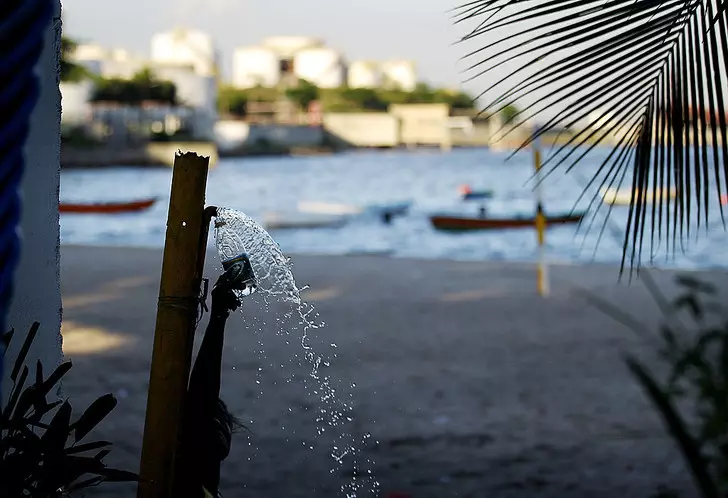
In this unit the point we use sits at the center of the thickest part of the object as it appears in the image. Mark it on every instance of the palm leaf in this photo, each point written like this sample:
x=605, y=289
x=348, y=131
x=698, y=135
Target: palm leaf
x=653, y=70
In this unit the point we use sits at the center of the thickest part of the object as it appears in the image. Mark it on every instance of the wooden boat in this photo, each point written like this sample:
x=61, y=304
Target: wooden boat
x=623, y=196
x=107, y=207
x=276, y=220
x=466, y=223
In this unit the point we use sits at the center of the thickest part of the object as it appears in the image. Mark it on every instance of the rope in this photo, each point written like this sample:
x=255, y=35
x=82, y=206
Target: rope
x=23, y=25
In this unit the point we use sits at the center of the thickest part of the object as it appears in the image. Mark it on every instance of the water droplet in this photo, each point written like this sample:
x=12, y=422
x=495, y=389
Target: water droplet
x=236, y=233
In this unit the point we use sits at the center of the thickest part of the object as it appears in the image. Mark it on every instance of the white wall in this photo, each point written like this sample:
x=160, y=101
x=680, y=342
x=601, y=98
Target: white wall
x=364, y=74
x=364, y=129
x=76, y=97
x=253, y=66
x=400, y=74
x=323, y=67
x=288, y=46
x=186, y=46
x=37, y=280
x=233, y=134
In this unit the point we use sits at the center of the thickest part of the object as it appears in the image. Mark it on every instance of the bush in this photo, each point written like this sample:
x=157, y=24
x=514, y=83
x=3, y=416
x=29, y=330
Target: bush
x=697, y=360
x=36, y=459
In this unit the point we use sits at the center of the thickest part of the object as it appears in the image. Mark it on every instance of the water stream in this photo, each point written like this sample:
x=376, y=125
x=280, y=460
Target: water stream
x=235, y=233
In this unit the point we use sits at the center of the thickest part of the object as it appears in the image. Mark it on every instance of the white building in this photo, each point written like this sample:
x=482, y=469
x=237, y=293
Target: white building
x=323, y=67
x=365, y=74
x=282, y=59
x=109, y=63
x=194, y=79
x=196, y=91
x=76, y=102
x=286, y=47
x=400, y=74
x=255, y=66
x=186, y=47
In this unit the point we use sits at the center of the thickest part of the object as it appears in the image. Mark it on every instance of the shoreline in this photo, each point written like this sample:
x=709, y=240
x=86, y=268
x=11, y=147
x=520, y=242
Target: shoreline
x=390, y=256
x=469, y=382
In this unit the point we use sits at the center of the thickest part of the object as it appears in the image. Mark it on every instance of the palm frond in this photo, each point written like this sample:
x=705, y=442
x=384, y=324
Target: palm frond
x=652, y=70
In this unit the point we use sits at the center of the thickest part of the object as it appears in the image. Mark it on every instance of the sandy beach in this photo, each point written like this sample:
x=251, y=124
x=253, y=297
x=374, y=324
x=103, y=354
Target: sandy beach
x=470, y=384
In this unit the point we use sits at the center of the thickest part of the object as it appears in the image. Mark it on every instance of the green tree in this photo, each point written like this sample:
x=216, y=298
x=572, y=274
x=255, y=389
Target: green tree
x=143, y=86
x=508, y=113
x=70, y=71
x=303, y=94
x=363, y=98
x=653, y=71
x=232, y=101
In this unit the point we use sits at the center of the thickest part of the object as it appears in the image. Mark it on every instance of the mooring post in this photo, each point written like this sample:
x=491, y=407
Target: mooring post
x=177, y=309
x=542, y=278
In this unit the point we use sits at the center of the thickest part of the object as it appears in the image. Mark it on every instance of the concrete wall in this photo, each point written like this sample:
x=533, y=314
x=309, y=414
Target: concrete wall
x=37, y=280
x=150, y=154
x=232, y=135
x=364, y=129
x=416, y=125
x=479, y=135
x=423, y=124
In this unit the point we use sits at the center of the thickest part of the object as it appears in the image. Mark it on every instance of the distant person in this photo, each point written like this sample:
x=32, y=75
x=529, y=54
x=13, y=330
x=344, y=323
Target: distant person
x=481, y=212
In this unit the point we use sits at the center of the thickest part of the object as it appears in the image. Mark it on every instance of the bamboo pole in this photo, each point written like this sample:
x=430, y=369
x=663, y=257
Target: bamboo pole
x=174, y=333
x=542, y=279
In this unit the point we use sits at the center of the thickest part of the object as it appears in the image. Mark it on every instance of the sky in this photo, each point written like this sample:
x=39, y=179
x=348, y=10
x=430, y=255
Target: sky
x=420, y=30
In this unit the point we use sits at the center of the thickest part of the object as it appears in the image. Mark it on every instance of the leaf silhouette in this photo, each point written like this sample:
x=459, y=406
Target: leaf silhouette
x=95, y=413
x=646, y=76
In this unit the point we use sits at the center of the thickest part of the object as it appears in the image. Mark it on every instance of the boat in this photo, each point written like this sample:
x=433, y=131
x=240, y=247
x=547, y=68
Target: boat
x=277, y=220
x=466, y=223
x=481, y=194
x=387, y=210
x=106, y=207
x=468, y=194
x=623, y=196
x=331, y=208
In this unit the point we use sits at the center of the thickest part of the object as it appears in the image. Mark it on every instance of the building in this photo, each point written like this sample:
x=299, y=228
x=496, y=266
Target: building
x=186, y=47
x=255, y=66
x=195, y=91
x=365, y=74
x=323, y=67
x=109, y=63
x=286, y=47
x=76, y=102
x=285, y=60
x=194, y=78
x=399, y=74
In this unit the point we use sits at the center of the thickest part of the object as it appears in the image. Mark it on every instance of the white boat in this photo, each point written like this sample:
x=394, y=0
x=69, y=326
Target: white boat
x=341, y=209
x=623, y=196
x=278, y=220
x=332, y=208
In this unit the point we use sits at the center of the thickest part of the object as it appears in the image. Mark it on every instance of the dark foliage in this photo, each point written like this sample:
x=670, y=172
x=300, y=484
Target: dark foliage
x=647, y=75
x=48, y=459
x=142, y=87
x=697, y=357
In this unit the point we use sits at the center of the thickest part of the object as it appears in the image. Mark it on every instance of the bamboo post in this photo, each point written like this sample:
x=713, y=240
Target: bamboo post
x=174, y=332
x=542, y=279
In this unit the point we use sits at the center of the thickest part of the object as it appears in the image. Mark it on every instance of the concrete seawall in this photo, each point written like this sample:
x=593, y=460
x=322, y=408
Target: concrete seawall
x=151, y=154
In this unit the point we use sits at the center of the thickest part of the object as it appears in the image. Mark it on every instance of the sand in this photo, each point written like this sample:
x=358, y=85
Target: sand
x=470, y=384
